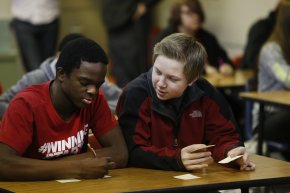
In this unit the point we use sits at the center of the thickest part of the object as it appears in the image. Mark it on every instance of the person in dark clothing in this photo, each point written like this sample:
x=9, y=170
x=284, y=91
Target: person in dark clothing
x=128, y=24
x=169, y=113
x=259, y=32
x=187, y=16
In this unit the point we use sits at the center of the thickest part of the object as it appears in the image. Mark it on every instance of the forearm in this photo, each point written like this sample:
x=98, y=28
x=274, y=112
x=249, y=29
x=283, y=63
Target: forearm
x=282, y=73
x=150, y=159
x=119, y=157
x=19, y=169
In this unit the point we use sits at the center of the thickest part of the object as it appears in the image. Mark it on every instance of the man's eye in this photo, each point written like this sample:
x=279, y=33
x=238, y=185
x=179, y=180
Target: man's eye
x=84, y=83
x=173, y=79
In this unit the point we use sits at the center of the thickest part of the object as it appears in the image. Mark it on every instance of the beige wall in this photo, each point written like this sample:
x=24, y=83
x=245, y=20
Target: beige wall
x=229, y=20
x=10, y=67
x=5, y=9
x=83, y=17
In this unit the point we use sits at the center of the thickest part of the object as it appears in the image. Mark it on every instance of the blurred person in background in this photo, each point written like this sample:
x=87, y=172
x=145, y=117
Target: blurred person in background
x=187, y=16
x=128, y=26
x=258, y=34
x=35, y=24
x=274, y=74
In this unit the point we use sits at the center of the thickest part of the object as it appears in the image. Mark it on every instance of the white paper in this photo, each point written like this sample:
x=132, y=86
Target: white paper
x=107, y=176
x=68, y=180
x=229, y=159
x=186, y=177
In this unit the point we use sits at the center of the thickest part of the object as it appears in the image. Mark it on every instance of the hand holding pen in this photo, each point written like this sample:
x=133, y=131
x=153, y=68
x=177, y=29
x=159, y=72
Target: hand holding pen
x=95, y=167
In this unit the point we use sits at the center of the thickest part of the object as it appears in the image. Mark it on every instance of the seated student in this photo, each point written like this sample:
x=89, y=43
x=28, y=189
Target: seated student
x=46, y=72
x=258, y=34
x=44, y=131
x=274, y=74
x=187, y=16
x=176, y=112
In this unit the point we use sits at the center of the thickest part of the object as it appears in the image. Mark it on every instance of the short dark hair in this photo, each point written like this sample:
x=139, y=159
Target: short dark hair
x=78, y=50
x=66, y=39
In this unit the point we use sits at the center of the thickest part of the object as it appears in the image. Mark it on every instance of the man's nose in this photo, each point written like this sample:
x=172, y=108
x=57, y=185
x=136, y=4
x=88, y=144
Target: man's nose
x=92, y=89
x=161, y=82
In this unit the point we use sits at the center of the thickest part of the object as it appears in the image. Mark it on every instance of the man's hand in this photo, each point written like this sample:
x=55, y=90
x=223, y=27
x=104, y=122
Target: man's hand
x=95, y=167
x=140, y=11
x=194, y=157
x=244, y=161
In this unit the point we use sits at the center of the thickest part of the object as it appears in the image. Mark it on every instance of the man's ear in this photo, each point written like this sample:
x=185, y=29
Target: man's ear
x=60, y=74
x=189, y=84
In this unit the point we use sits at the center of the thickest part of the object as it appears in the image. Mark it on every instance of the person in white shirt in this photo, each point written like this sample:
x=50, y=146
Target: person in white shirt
x=36, y=25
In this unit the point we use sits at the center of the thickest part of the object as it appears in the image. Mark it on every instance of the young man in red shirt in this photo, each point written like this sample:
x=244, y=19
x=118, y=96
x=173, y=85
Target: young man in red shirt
x=51, y=121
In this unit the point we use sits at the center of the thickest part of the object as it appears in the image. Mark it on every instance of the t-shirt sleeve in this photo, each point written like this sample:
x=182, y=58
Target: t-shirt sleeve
x=102, y=118
x=16, y=129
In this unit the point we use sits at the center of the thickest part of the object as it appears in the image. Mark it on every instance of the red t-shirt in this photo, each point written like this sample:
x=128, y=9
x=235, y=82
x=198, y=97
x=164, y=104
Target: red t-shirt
x=34, y=129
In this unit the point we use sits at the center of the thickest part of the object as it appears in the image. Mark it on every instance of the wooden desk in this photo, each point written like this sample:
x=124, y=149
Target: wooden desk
x=216, y=177
x=277, y=98
x=239, y=79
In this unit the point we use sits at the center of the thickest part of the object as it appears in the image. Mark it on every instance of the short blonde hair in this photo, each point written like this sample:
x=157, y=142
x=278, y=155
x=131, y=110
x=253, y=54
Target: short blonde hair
x=185, y=49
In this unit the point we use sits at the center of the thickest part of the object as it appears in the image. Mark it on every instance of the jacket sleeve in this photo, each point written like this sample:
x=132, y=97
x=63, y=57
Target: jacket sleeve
x=271, y=60
x=34, y=77
x=256, y=38
x=112, y=93
x=134, y=116
x=222, y=53
x=221, y=127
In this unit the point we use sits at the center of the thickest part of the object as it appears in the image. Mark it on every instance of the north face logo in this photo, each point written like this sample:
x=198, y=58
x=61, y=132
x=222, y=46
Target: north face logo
x=195, y=114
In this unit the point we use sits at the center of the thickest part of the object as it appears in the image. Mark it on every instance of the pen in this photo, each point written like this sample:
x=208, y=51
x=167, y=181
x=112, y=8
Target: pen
x=92, y=149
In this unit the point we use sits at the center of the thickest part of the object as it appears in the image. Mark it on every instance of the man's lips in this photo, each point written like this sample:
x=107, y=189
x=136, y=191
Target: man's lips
x=159, y=92
x=87, y=101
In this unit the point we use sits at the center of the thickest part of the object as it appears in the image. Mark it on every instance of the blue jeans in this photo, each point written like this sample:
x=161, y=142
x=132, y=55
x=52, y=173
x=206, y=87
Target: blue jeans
x=35, y=42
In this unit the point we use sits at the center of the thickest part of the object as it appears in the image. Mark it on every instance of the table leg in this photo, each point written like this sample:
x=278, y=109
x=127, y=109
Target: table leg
x=244, y=190
x=261, y=130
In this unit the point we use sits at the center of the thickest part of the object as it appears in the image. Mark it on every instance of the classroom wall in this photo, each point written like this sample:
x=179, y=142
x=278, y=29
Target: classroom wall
x=229, y=20
x=10, y=67
x=75, y=17
x=83, y=17
x=5, y=9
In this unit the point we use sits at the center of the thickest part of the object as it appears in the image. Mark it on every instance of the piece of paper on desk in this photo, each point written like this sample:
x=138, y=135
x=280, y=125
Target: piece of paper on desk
x=68, y=180
x=229, y=159
x=186, y=177
x=107, y=176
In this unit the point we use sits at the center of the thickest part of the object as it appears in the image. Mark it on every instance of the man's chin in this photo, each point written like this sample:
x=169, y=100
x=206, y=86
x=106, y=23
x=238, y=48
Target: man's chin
x=163, y=98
